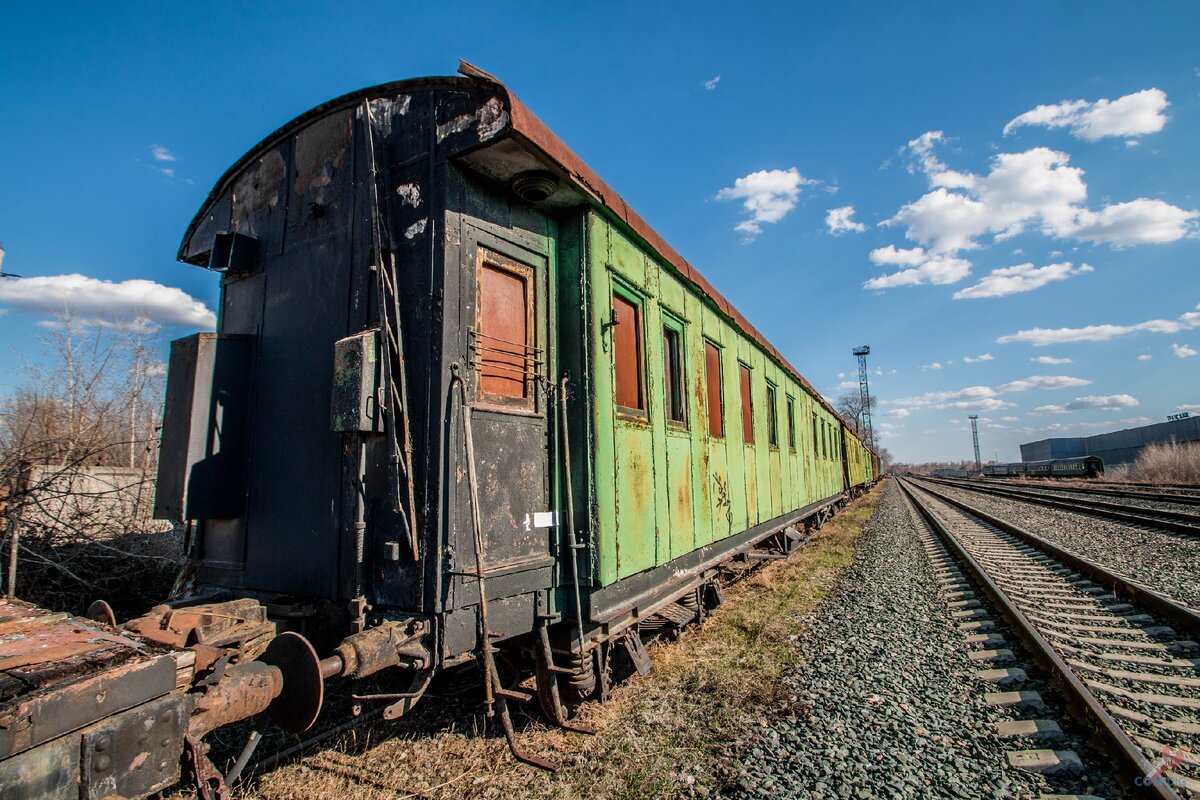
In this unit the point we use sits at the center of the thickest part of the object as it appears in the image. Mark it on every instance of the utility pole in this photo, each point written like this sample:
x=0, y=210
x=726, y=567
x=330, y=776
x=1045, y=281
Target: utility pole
x=975, y=436
x=864, y=393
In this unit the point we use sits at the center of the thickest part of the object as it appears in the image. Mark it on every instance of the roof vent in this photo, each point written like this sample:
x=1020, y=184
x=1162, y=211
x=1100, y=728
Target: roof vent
x=534, y=186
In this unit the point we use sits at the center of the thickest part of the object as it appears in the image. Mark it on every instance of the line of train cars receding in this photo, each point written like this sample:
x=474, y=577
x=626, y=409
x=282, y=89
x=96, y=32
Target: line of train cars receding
x=463, y=405
x=1078, y=467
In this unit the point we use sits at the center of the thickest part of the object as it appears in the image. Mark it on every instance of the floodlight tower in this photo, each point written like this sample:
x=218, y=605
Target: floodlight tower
x=864, y=393
x=975, y=437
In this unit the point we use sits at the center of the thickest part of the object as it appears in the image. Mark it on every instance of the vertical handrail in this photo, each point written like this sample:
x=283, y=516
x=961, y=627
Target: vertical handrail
x=393, y=373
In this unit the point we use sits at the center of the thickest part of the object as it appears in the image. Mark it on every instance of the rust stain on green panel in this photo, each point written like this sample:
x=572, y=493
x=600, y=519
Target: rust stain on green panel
x=751, y=478
x=679, y=495
x=636, y=531
x=776, y=484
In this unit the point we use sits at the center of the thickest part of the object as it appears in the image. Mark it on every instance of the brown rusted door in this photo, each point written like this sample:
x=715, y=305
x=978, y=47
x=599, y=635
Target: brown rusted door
x=510, y=410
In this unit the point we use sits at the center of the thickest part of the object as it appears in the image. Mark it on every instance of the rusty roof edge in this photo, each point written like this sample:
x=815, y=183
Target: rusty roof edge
x=533, y=130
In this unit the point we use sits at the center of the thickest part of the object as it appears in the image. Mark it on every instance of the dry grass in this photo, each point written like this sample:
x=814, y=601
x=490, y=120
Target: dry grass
x=1171, y=462
x=666, y=735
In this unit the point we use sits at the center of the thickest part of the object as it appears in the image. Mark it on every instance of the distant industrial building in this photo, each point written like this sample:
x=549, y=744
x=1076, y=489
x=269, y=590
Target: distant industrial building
x=1116, y=448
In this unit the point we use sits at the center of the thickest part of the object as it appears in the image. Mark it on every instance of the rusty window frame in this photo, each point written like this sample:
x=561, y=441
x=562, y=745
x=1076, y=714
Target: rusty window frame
x=712, y=382
x=622, y=294
x=791, y=420
x=746, y=381
x=483, y=343
x=674, y=372
x=772, y=415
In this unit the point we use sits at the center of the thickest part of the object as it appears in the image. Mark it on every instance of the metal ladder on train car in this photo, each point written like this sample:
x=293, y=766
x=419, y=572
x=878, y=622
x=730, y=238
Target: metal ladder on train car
x=393, y=374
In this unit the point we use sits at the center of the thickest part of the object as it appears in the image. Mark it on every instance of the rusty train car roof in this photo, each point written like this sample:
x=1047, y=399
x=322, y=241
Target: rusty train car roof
x=524, y=125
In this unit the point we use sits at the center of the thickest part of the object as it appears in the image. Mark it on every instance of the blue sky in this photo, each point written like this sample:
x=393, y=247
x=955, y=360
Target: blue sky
x=735, y=130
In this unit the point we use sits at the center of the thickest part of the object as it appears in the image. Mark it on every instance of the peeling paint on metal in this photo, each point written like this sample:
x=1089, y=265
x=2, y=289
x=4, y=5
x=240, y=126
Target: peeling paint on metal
x=410, y=194
x=492, y=119
x=416, y=229
x=320, y=152
x=456, y=125
x=257, y=188
x=382, y=109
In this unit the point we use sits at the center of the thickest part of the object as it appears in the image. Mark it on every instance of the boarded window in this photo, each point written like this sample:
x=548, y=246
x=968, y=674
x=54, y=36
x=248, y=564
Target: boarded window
x=772, y=422
x=627, y=355
x=673, y=375
x=824, y=439
x=816, y=437
x=791, y=414
x=713, y=393
x=503, y=346
x=747, y=405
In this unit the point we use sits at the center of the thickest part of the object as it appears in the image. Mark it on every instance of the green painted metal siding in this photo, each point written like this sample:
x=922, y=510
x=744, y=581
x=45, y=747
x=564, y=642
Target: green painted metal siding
x=662, y=490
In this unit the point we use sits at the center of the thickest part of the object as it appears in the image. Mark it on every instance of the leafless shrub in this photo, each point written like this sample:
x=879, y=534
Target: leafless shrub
x=78, y=454
x=1169, y=462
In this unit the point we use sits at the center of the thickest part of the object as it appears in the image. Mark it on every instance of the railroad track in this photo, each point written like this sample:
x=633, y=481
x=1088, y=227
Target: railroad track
x=1159, y=494
x=1176, y=521
x=1120, y=651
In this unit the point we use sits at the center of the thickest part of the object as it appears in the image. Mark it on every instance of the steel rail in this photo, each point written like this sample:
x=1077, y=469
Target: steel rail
x=1179, y=614
x=1175, y=521
x=1161, y=496
x=1092, y=711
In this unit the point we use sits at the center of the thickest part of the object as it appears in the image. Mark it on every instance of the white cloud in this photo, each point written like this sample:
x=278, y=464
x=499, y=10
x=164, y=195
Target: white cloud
x=1109, y=402
x=978, y=358
x=847, y=385
x=107, y=302
x=939, y=270
x=1140, y=221
x=1188, y=407
x=911, y=257
x=1137, y=420
x=1043, y=382
x=1034, y=189
x=711, y=83
x=899, y=413
x=1040, y=337
x=1132, y=115
x=1184, y=351
x=934, y=365
x=767, y=195
x=1145, y=357
x=1009, y=419
x=1020, y=278
x=841, y=220
x=1051, y=360
x=161, y=153
x=972, y=398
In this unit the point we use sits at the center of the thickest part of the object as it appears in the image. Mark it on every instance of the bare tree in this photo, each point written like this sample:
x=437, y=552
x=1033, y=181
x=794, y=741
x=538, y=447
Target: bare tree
x=78, y=448
x=849, y=407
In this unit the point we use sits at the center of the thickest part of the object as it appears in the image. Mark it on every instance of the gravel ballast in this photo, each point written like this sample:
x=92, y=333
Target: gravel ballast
x=1164, y=561
x=888, y=703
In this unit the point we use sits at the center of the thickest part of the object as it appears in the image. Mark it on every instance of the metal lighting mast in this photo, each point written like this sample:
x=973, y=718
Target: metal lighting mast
x=975, y=437
x=864, y=392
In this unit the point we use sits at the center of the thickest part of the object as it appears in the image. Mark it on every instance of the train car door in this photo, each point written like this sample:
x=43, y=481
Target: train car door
x=506, y=310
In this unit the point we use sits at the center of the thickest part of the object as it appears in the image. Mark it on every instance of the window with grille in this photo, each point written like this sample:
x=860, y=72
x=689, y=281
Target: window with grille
x=504, y=351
